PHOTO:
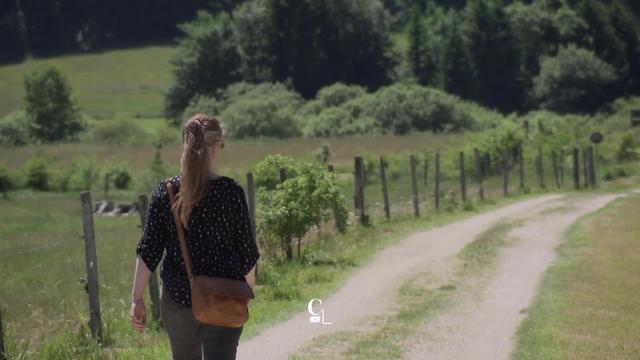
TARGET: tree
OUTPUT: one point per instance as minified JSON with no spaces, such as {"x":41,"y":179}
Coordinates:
{"x":13,"y":44}
{"x":418,"y":57}
{"x":494,"y":55}
{"x":575,"y":80}
{"x":457,"y":76}
{"x":207,"y":59}
{"x":51,"y":112}
{"x":626,"y":28}
{"x":316,"y":43}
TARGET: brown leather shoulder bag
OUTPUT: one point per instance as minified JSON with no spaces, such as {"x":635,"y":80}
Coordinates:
{"x":214,"y":300}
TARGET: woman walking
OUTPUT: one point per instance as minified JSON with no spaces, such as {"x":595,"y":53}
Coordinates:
{"x":213,"y":211}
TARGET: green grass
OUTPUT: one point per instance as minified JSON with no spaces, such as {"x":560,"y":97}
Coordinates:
{"x":131,"y":81}
{"x":587,"y":305}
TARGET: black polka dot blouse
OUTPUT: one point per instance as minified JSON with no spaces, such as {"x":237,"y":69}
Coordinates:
{"x":220,"y":238}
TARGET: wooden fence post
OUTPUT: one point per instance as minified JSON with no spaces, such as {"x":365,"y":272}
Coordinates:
{"x":585,"y":167}
{"x":576,"y":169}
{"x":282,"y":173}
{"x":556,"y":175}
{"x":521,"y":165}
{"x":561,"y":167}
{"x":480,"y":172}
{"x":359,"y":188}
{"x":426,"y":173}
{"x":592,"y":166}
{"x":505,"y":174}
{"x":414,"y":185}
{"x":541,"y":167}
{"x":154,"y":293}
{"x":91,"y":262}
{"x":437,"y":180}
{"x":385,"y":195}
{"x":463,"y":182}
{"x":3,"y":351}
{"x":251,"y":202}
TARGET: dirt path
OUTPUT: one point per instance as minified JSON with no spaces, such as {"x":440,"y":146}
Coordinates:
{"x":484,"y":328}
{"x":371,"y":289}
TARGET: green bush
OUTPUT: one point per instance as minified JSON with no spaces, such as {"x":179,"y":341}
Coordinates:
{"x":118,"y":131}
{"x":303,"y":200}
{"x":14,"y":129}
{"x":627,"y":149}
{"x":269,"y":170}
{"x":336,"y":121}
{"x":338,"y":94}
{"x":119,"y":175}
{"x":401,"y":108}
{"x":203,"y":104}
{"x":6,"y":182}
{"x":37,"y":173}
{"x":323,"y":153}
{"x":264,"y":110}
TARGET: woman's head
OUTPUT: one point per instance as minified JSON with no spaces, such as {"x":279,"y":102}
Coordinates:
{"x":202,"y":140}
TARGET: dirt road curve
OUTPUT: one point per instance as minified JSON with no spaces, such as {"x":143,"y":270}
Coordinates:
{"x":484,"y":329}
{"x":370,"y":290}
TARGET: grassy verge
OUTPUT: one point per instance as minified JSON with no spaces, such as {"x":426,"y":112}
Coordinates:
{"x":587,"y":305}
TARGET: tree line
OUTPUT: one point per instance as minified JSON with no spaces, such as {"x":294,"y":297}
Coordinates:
{"x":510,"y":56}
{"x":47,"y":28}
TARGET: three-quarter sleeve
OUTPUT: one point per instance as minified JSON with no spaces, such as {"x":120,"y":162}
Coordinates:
{"x":245,"y":249}
{"x":152,"y":243}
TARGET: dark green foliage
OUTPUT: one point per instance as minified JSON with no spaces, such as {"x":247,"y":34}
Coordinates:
{"x":14,"y":129}
{"x":37,"y":173}
{"x":13,"y":45}
{"x":575,"y":80}
{"x":316,"y":43}
{"x":265,"y":110}
{"x":120,"y":175}
{"x":207,"y":59}
{"x":6,"y":182}
{"x":628,"y":149}
{"x":307,"y":197}
{"x":50,"y":110}
{"x":494,"y":55}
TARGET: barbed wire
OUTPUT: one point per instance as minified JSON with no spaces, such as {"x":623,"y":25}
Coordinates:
{"x":42,"y":247}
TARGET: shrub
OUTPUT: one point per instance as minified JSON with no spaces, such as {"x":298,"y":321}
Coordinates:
{"x":336,"y":121}
{"x":267,"y":110}
{"x":303,"y":200}
{"x":6,"y":183}
{"x":14,"y":129}
{"x":269,"y":170}
{"x":338,"y":94}
{"x":120,"y":176}
{"x":37,"y":173}
{"x":119,"y":131}
{"x":323,"y":153}
{"x":203,"y":104}
{"x":402,"y":108}
{"x":627,"y":149}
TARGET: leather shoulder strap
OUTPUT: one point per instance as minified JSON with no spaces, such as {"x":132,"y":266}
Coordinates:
{"x":183,"y":242}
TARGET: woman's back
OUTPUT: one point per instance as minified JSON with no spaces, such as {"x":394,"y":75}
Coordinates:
{"x":219,"y":237}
